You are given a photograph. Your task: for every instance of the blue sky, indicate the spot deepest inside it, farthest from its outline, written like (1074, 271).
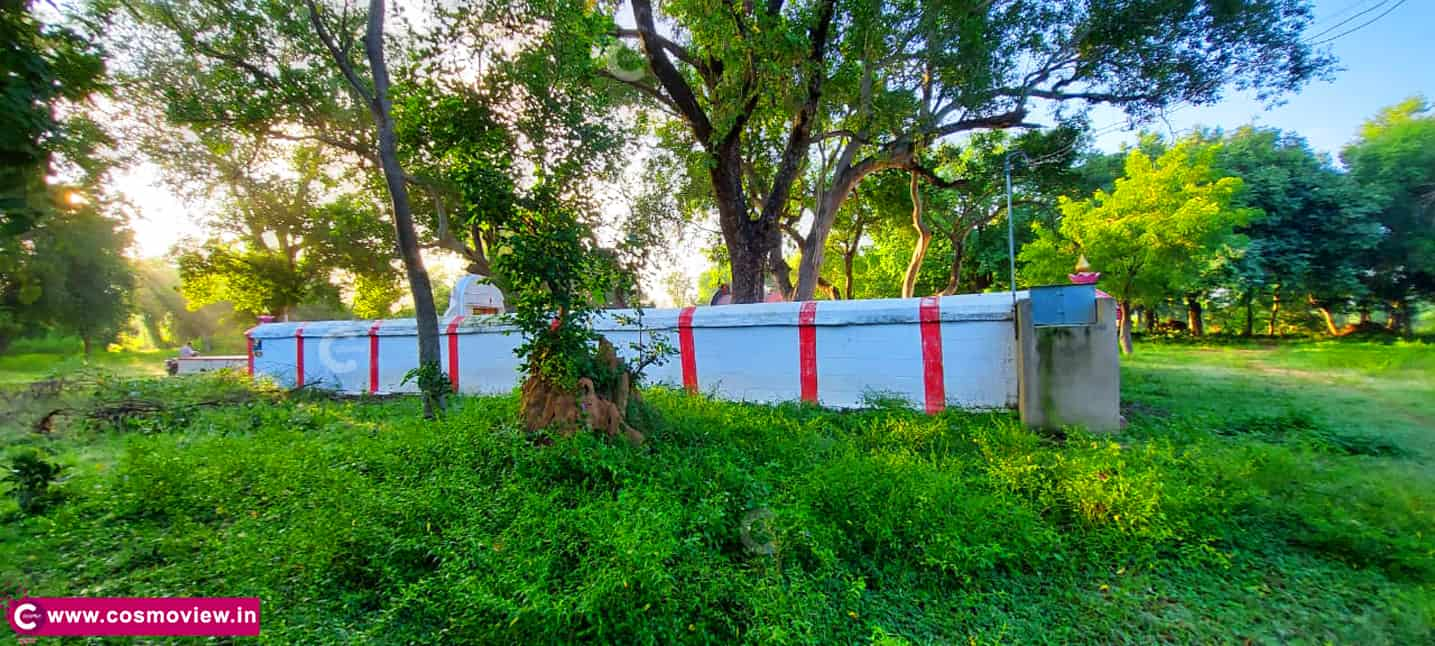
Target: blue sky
(1381, 64)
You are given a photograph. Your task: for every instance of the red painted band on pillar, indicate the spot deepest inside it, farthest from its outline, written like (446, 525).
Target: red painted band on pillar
(932, 376)
(249, 349)
(685, 348)
(374, 357)
(299, 355)
(807, 350)
(453, 351)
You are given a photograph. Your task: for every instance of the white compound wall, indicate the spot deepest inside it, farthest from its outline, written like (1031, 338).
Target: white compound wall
(958, 351)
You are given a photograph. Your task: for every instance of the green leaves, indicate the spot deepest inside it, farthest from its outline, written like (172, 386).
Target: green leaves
(557, 280)
(1394, 162)
(1164, 218)
(30, 476)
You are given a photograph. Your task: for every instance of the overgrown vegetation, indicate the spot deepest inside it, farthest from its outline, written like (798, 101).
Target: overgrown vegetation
(1221, 514)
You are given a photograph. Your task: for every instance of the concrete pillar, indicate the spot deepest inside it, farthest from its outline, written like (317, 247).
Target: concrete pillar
(1069, 376)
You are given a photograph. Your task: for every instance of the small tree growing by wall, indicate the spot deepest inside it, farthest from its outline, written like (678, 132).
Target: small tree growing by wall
(558, 279)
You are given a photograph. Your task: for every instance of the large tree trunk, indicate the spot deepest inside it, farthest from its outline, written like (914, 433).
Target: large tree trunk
(1249, 329)
(1126, 346)
(748, 240)
(1398, 319)
(426, 317)
(814, 247)
(924, 239)
(847, 259)
(1194, 320)
(777, 265)
(845, 176)
(959, 254)
(85, 341)
(1275, 311)
(1330, 327)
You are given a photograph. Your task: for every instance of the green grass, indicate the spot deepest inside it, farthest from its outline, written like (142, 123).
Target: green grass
(1272, 494)
(24, 367)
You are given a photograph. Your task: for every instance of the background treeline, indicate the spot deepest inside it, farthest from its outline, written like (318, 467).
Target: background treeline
(864, 182)
(1246, 232)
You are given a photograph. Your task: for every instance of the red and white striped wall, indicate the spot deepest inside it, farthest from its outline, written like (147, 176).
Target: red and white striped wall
(934, 352)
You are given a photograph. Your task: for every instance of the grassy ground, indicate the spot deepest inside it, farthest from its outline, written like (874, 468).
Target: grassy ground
(26, 367)
(1277, 494)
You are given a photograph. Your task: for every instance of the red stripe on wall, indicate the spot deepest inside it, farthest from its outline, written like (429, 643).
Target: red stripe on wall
(374, 357)
(453, 351)
(299, 354)
(249, 349)
(932, 375)
(807, 350)
(685, 348)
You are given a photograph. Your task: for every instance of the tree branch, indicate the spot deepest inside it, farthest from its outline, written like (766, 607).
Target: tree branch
(1012, 119)
(682, 53)
(1095, 97)
(932, 177)
(345, 64)
(188, 38)
(798, 140)
(668, 76)
(667, 104)
(840, 133)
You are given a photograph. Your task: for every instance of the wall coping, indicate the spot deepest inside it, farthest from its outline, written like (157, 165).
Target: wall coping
(994, 306)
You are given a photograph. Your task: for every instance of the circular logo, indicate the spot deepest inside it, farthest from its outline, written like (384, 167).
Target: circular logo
(25, 616)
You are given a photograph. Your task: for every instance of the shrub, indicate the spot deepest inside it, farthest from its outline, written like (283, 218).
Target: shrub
(30, 476)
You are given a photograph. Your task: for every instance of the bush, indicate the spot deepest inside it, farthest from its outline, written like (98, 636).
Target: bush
(30, 476)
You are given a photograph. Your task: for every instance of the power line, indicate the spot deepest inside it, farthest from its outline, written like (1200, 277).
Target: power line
(1338, 14)
(1361, 26)
(1181, 105)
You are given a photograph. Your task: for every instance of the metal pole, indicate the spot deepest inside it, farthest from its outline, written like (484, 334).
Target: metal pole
(1011, 227)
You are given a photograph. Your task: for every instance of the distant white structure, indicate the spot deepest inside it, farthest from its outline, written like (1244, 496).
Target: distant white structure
(474, 295)
(197, 364)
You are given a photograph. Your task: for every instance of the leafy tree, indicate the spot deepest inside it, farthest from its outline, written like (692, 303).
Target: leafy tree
(314, 72)
(476, 164)
(280, 233)
(376, 294)
(1393, 161)
(953, 210)
(1161, 224)
(464, 149)
(166, 316)
(83, 277)
(559, 279)
(1314, 233)
(47, 73)
(680, 289)
(46, 68)
(883, 81)
(255, 281)
(977, 198)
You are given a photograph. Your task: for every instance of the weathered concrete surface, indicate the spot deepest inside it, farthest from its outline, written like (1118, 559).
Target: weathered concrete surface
(1069, 376)
(962, 351)
(935, 353)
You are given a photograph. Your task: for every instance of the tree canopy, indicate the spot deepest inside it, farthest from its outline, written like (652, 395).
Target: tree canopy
(1394, 162)
(758, 85)
(1161, 224)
